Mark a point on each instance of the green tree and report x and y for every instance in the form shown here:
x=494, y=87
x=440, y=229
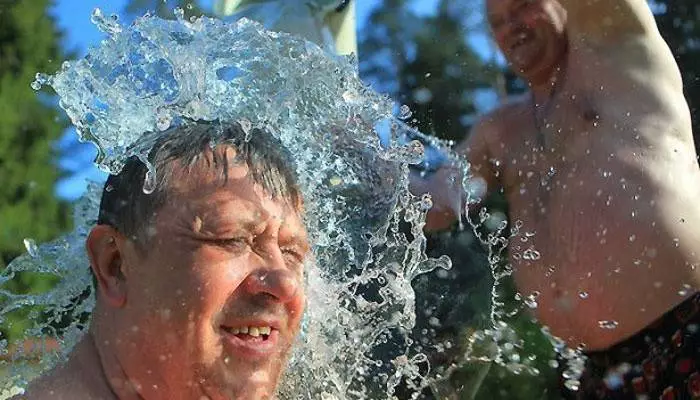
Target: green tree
x=426, y=63
x=29, y=125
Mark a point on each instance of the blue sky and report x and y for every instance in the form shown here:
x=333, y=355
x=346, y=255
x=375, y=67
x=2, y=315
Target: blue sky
x=73, y=17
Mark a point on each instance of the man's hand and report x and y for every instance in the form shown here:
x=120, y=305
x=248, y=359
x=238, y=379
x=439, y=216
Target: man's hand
x=445, y=189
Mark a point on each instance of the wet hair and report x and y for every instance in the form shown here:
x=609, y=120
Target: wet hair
x=127, y=208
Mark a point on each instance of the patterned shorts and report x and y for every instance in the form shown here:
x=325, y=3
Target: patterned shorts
x=660, y=362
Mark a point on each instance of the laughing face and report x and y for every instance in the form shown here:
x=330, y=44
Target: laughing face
x=214, y=302
x=531, y=34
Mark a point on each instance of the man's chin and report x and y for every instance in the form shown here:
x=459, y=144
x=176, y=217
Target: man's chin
x=240, y=384
x=247, y=376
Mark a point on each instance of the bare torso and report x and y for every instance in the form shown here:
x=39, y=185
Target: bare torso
x=606, y=186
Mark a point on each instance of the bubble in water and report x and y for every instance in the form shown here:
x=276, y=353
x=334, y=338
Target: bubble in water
x=605, y=324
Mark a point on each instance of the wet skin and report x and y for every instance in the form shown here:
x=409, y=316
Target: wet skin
x=221, y=256
x=598, y=163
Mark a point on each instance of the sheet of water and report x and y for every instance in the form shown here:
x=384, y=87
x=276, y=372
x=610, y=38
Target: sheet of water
x=359, y=338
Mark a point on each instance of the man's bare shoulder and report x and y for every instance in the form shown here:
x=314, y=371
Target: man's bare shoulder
x=496, y=126
x=57, y=385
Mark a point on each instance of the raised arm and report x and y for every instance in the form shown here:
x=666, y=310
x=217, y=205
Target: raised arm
x=443, y=185
x=609, y=20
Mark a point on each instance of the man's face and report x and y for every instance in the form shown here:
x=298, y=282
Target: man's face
x=215, y=300
x=531, y=34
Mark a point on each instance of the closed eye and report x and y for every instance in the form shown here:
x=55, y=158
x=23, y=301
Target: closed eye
x=237, y=243
x=293, y=255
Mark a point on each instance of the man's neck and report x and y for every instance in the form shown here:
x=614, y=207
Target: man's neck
x=543, y=90
x=81, y=376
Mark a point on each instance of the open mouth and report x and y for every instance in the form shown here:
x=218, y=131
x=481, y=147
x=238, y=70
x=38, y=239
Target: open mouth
x=250, y=333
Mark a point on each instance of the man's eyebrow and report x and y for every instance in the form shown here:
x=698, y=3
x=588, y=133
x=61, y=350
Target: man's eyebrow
x=300, y=242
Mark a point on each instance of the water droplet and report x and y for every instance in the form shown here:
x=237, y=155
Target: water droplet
x=179, y=13
x=149, y=181
x=531, y=254
x=405, y=112
x=163, y=120
x=583, y=295
x=531, y=300
x=109, y=25
x=336, y=180
x=684, y=290
x=426, y=202
x=31, y=247
x=632, y=238
x=676, y=242
x=605, y=324
x=246, y=127
x=572, y=384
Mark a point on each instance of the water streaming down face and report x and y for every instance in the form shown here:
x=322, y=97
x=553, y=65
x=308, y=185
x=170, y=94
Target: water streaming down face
x=358, y=337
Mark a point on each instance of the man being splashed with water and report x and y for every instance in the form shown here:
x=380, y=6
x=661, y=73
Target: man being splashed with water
x=598, y=163
x=199, y=283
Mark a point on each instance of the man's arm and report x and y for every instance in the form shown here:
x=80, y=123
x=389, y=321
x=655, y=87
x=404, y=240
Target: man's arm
x=445, y=185
x=609, y=20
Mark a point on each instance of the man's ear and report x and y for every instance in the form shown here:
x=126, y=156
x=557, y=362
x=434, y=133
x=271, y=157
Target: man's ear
x=105, y=248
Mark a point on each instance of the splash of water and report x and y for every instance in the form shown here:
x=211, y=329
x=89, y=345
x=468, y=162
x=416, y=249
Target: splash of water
x=358, y=339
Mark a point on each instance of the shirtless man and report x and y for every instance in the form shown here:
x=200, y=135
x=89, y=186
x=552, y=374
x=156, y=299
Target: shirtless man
x=199, y=284
x=598, y=162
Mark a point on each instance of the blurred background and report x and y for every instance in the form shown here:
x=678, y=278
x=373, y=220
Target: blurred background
x=435, y=56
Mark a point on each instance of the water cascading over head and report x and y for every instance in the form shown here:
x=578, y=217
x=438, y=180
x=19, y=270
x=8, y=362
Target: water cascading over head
x=358, y=339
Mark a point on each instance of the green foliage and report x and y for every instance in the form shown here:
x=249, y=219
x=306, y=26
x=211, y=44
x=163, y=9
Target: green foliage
x=29, y=124
x=426, y=63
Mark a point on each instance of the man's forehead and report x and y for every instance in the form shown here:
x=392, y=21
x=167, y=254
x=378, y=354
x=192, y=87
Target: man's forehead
x=494, y=7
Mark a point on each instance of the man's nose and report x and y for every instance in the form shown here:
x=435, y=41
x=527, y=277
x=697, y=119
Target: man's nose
x=275, y=279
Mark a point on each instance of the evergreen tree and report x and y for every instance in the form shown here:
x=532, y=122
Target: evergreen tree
x=426, y=63
x=29, y=125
